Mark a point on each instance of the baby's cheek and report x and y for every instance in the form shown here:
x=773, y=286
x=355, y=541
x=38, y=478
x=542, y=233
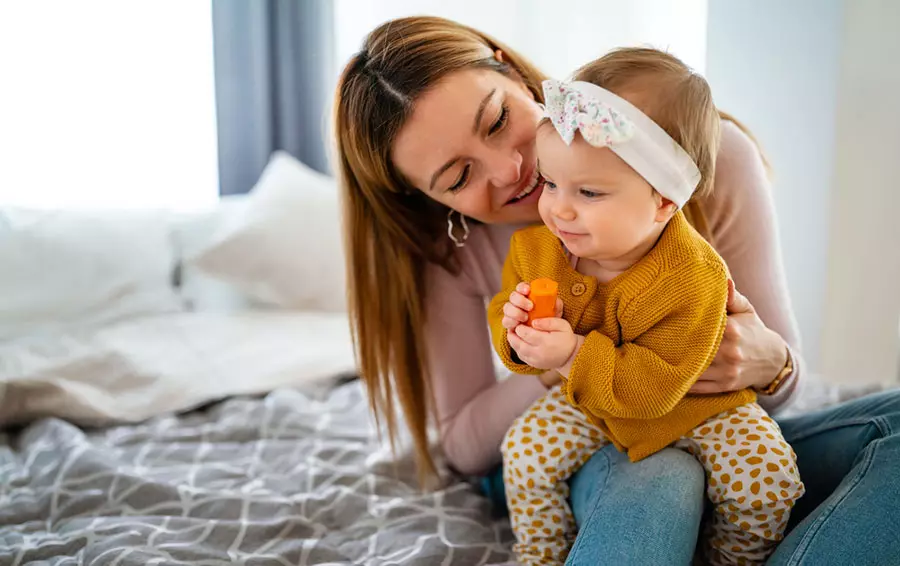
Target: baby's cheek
x=544, y=210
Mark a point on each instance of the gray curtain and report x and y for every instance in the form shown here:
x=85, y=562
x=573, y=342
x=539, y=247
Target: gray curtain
x=274, y=65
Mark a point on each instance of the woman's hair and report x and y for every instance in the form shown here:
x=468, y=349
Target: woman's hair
x=392, y=231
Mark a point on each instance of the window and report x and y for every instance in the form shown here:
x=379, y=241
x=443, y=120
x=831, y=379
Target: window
x=107, y=104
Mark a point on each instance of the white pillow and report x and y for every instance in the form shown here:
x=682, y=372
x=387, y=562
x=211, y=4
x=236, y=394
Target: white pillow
x=284, y=249
x=143, y=367
x=194, y=232
x=64, y=267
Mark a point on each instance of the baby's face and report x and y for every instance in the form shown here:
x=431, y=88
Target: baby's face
x=599, y=206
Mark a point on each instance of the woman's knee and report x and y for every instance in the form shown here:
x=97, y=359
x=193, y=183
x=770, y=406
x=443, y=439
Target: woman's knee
x=670, y=481
x=674, y=476
x=880, y=410
x=645, y=512
x=886, y=406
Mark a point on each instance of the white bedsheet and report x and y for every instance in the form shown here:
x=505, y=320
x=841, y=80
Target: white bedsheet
x=147, y=366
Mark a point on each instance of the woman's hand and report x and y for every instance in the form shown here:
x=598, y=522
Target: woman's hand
x=750, y=355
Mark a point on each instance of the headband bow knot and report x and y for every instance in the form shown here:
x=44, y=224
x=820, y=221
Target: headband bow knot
x=570, y=111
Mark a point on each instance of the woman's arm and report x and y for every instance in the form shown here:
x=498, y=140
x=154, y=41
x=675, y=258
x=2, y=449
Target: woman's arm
x=474, y=410
x=741, y=217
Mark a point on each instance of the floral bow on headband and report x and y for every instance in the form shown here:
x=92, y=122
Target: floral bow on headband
x=570, y=111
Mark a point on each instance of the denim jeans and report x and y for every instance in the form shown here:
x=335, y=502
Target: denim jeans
x=649, y=512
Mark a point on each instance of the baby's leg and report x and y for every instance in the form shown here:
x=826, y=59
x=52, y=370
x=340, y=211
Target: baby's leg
x=542, y=449
x=752, y=481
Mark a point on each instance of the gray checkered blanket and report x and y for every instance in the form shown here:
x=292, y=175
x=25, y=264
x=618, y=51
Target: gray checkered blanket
x=291, y=478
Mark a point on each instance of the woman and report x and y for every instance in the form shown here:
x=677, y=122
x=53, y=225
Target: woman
x=436, y=126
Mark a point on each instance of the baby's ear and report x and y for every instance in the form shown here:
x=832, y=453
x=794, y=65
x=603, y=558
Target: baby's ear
x=665, y=208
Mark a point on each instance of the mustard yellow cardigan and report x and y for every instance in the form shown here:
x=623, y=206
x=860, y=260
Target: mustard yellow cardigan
x=649, y=334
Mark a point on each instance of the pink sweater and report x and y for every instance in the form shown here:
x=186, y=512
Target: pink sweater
x=475, y=410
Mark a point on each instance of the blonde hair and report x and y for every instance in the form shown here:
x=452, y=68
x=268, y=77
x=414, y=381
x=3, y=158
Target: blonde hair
x=676, y=98
x=392, y=231
x=670, y=93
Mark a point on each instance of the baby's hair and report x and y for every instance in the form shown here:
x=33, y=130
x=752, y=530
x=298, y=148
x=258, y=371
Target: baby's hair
x=670, y=93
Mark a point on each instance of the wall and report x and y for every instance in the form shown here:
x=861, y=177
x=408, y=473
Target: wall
x=775, y=66
x=557, y=40
x=860, y=335
x=818, y=82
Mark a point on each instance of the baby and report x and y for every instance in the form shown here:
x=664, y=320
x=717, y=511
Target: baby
x=641, y=314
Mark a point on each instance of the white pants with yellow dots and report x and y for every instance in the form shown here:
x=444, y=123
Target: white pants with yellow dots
x=752, y=480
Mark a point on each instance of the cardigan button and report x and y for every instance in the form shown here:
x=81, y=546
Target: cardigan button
x=578, y=289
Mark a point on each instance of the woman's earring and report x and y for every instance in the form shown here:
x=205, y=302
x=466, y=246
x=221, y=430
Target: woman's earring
x=459, y=243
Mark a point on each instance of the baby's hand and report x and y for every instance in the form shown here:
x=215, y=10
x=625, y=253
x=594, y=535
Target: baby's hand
x=550, y=344
x=515, y=311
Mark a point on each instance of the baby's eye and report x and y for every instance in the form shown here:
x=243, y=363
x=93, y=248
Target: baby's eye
x=548, y=184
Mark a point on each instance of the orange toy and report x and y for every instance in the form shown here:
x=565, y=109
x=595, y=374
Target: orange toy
x=543, y=295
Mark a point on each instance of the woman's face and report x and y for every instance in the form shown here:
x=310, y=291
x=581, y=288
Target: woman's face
x=469, y=144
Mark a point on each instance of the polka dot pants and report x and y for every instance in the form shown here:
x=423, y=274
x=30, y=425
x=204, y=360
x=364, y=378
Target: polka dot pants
x=752, y=480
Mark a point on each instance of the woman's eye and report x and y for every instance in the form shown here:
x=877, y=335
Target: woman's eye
x=461, y=182
x=500, y=121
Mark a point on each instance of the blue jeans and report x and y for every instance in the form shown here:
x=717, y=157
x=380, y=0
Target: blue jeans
x=649, y=512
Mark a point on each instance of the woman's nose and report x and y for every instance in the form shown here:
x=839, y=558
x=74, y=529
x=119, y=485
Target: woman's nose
x=505, y=167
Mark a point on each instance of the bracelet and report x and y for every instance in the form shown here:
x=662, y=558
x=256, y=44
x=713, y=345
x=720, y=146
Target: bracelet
x=785, y=372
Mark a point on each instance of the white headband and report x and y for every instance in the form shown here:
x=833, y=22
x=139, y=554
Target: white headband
x=606, y=120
